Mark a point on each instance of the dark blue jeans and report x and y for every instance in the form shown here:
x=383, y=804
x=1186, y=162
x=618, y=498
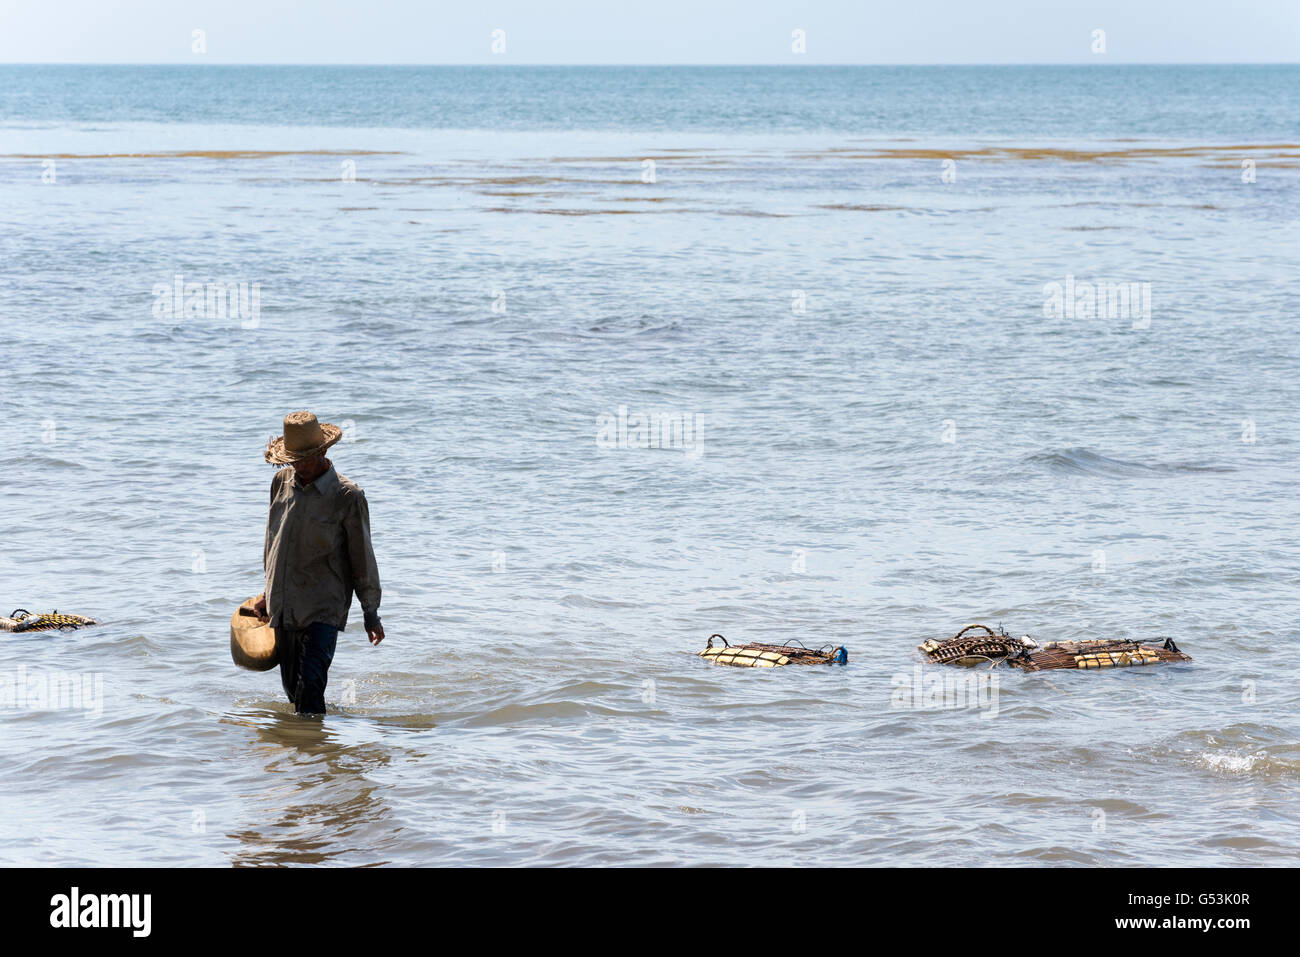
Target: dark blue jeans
x=305, y=656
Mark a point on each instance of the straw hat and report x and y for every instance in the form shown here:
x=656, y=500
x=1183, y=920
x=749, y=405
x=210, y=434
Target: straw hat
x=303, y=438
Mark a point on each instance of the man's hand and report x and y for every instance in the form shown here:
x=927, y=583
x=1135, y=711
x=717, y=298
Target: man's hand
x=259, y=609
x=375, y=634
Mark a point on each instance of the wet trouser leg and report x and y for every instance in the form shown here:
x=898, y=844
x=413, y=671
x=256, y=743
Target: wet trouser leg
x=305, y=656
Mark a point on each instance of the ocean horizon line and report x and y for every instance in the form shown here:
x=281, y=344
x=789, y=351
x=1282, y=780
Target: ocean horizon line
x=654, y=65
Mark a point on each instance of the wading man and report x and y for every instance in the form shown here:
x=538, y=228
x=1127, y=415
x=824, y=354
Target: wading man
x=317, y=554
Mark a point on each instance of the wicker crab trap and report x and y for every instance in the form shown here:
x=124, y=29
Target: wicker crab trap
x=20, y=619
x=754, y=655
x=979, y=643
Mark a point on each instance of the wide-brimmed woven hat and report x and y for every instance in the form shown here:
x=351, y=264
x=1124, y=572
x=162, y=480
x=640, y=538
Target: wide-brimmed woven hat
x=303, y=438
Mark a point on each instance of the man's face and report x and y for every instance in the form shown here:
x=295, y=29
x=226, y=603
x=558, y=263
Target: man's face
x=309, y=469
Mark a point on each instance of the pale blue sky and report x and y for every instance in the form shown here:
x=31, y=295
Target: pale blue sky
x=655, y=31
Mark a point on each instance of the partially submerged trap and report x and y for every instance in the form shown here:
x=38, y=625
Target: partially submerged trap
x=976, y=643
x=20, y=619
x=754, y=655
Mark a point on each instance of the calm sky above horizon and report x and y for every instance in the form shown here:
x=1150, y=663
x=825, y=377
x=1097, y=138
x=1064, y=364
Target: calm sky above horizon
x=665, y=31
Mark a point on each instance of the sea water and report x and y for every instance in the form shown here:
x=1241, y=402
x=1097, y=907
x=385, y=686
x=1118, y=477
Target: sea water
x=623, y=358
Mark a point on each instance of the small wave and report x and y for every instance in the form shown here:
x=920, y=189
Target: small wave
x=546, y=712
x=586, y=601
x=635, y=326
x=1079, y=461
x=49, y=461
x=860, y=208
x=1233, y=762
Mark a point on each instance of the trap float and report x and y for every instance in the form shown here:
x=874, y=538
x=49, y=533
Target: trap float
x=979, y=643
x=754, y=655
x=20, y=619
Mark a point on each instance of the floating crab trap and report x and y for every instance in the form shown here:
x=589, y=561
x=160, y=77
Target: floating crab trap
x=978, y=643
x=20, y=619
x=754, y=655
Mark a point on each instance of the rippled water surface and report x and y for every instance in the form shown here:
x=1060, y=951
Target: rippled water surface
x=919, y=448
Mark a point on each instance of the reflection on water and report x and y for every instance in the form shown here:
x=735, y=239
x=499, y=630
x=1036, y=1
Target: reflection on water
x=322, y=803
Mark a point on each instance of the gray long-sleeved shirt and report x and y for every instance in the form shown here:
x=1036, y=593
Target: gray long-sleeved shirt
x=318, y=552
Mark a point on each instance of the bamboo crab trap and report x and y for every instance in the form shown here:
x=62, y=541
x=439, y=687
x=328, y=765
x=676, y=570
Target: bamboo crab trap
x=977, y=643
x=754, y=655
x=20, y=619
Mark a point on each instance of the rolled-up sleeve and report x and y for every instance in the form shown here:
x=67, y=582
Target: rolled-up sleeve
x=361, y=555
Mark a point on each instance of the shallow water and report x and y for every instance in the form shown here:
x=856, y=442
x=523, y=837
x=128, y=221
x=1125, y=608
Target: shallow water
x=920, y=448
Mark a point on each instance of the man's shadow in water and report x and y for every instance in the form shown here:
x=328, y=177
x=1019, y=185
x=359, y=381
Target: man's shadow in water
x=324, y=807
